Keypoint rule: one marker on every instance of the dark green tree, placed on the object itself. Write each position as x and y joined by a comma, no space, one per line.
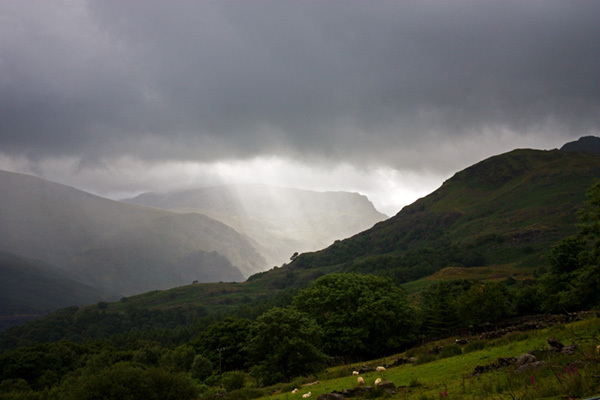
483,303
285,343
361,315
225,343
233,380
573,282
180,358
439,308
201,368
126,381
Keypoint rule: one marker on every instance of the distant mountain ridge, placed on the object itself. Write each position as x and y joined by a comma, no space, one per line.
280,221
118,248
498,218
30,288
589,144
507,210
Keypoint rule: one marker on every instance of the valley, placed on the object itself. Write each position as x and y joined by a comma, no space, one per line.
486,247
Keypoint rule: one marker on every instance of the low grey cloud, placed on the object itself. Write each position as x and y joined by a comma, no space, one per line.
407,85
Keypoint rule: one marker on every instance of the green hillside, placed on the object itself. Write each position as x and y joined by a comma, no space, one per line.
507,210
478,260
31,288
501,216
497,219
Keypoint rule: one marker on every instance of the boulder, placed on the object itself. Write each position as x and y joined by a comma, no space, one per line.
555,343
386,385
526,358
530,367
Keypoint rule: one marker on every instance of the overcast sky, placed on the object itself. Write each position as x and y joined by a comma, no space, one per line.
388,98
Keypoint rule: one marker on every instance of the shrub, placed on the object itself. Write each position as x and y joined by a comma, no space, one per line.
450,351
427,358
474,346
202,368
415,382
234,380
247,394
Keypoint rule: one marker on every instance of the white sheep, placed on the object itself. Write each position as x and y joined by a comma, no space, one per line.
295,391
598,349
360,380
380,369
354,372
306,395
377,381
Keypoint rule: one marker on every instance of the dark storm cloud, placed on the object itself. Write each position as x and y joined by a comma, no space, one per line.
350,80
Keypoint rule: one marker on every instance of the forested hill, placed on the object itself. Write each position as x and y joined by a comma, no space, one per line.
507,210
502,215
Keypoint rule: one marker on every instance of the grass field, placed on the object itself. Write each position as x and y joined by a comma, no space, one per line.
434,377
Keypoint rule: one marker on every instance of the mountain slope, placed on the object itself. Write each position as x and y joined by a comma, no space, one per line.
508,209
589,144
281,221
31,288
119,248
495,219
501,216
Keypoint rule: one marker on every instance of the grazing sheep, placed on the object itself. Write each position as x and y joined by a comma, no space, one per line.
360,380
295,391
380,369
306,395
598,349
354,372
377,381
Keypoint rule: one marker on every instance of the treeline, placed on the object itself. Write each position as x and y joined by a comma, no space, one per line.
341,317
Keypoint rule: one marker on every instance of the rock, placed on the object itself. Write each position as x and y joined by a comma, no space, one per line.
530,367
387,385
570,350
555,343
524,359
505,362
357,390
461,342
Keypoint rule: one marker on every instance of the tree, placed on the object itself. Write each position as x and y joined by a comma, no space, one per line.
233,380
439,308
126,381
361,315
229,335
285,343
573,282
483,303
201,368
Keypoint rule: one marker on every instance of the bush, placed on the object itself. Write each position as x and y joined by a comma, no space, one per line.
427,358
247,394
202,368
450,351
474,346
234,380
516,336
126,381
414,383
